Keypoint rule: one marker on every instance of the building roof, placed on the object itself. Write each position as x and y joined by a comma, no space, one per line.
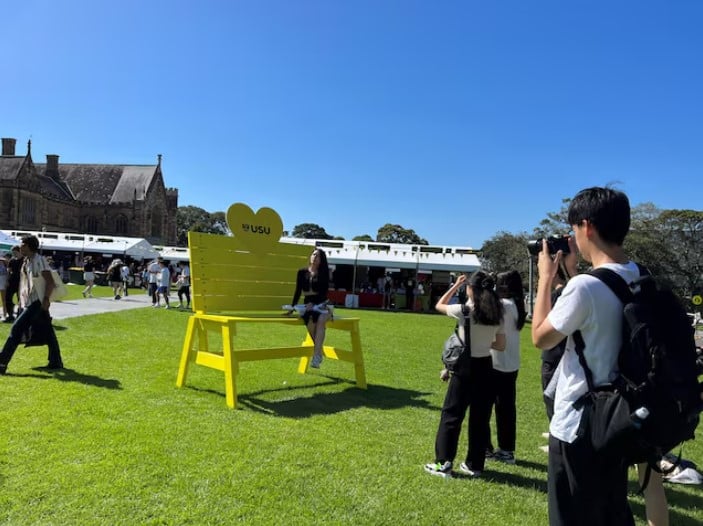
10,166
105,183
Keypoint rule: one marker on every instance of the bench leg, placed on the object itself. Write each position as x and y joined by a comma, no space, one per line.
231,368
188,352
305,360
359,369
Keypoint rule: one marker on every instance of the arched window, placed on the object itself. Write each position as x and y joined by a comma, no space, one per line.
89,224
121,224
156,222
28,211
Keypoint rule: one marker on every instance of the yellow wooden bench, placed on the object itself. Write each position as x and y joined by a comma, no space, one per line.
247,278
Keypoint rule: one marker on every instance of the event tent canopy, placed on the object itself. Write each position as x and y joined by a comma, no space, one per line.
7,242
134,247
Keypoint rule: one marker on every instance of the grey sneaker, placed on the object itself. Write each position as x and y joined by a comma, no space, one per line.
504,456
467,470
440,469
316,361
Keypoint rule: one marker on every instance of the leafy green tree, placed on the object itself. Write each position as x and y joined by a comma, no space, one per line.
195,219
556,223
310,231
365,237
389,233
506,251
682,230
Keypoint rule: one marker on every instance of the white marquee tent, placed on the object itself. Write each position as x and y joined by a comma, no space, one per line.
136,248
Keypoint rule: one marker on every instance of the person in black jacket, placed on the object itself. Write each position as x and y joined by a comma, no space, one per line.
14,267
312,282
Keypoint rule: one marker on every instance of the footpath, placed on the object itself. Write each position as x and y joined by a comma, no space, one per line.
84,307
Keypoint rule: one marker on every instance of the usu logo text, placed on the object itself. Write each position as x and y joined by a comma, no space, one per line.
256,229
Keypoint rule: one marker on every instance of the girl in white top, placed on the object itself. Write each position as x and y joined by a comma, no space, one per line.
469,384
506,364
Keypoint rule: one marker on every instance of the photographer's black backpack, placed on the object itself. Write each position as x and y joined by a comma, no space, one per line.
658,373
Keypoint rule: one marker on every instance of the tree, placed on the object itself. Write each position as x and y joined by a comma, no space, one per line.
682,231
505,251
365,237
555,223
195,219
389,233
310,231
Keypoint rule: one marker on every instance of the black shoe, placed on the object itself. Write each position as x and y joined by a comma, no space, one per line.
8,320
51,367
3,368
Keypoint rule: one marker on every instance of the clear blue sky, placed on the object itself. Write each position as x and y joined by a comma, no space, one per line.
457,119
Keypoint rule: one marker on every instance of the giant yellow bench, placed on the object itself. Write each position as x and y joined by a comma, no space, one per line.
247,278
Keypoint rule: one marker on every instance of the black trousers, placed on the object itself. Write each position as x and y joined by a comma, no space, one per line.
12,289
504,387
22,323
184,290
548,370
472,390
584,488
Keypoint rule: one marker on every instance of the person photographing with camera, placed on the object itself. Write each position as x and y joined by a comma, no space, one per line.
584,488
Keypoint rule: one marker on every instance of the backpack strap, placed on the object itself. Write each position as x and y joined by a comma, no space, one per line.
467,328
615,282
622,291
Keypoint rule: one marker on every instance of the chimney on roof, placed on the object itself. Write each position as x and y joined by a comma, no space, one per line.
52,163
8,146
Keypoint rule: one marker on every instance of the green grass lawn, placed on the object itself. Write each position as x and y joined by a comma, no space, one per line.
111,440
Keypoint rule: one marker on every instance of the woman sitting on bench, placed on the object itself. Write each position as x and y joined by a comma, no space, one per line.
312,282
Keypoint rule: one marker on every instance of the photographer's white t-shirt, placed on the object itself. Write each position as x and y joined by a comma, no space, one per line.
588,305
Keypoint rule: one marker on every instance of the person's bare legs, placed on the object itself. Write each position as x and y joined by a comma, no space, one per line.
318,338
655,503
88,290
317,333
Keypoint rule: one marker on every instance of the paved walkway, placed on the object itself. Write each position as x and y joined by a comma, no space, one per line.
84,307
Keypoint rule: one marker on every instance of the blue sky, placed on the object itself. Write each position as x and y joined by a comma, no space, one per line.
458,119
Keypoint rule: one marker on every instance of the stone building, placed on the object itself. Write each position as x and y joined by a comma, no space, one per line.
108,199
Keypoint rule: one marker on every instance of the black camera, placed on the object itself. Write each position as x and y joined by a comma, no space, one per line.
554,244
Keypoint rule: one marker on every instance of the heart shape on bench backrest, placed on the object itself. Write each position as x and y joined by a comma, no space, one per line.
259,230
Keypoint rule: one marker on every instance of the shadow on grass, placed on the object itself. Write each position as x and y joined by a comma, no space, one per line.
510,479
70,375
375,397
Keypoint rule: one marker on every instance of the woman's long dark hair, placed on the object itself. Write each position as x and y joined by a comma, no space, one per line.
323,269
509,286
488,310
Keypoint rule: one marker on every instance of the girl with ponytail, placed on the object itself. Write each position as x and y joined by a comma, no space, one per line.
469,385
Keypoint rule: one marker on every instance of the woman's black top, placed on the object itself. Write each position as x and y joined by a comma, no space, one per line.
88,266
314,288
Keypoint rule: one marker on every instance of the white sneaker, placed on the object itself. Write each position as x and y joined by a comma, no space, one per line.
466,470
438,469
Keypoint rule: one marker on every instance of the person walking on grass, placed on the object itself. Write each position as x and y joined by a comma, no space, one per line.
114,276
36,285
14,269
184,285
470,383
88,277
153,272
125,272
164,283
